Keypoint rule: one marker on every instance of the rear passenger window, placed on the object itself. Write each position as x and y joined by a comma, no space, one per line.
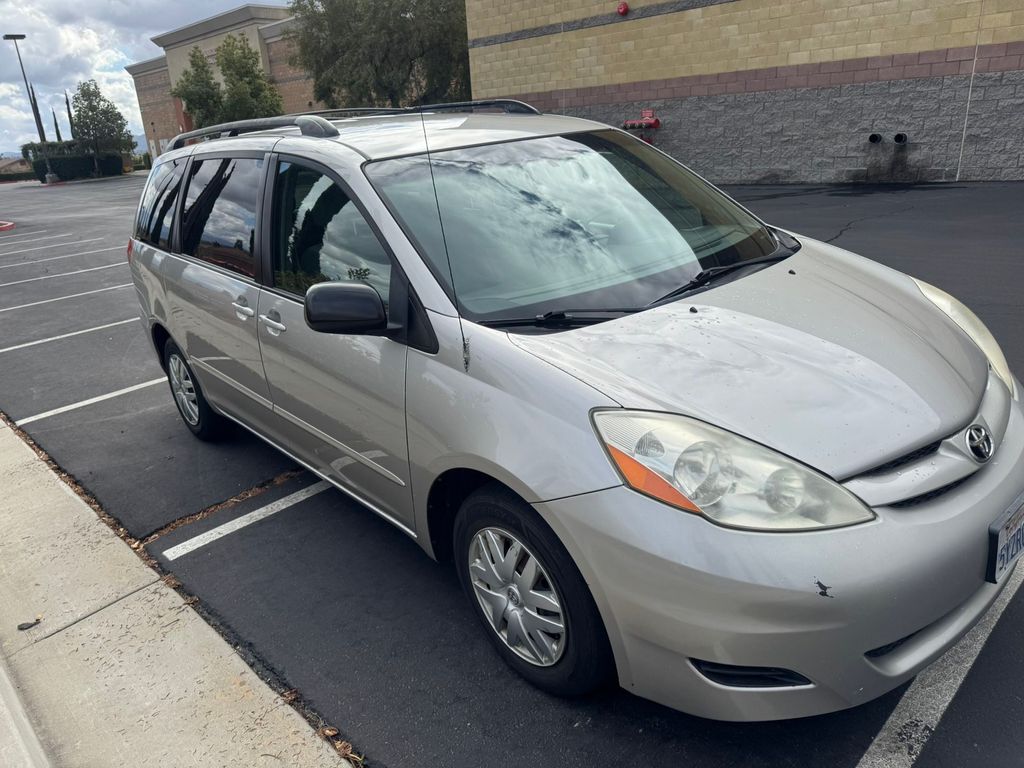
157,208
320,235
218,224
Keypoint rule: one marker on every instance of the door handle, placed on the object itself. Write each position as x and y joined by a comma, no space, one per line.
274,326
242,310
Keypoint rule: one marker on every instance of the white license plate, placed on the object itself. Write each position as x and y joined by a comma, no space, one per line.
1006,542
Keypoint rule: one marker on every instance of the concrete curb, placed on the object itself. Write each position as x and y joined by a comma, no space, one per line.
74,182
19,745
120,669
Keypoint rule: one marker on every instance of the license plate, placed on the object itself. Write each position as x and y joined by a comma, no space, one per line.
1006,541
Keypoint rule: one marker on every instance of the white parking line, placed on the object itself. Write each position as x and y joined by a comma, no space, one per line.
90,401
52,245
49,237
5,237
67,335
61,274
65,256
901,740
61,298
241,522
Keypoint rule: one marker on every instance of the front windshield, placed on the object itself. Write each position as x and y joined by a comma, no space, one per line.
583,221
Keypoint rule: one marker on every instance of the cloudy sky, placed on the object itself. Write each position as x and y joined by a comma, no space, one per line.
73,40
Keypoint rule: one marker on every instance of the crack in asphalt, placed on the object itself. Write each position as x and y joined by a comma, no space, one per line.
849,225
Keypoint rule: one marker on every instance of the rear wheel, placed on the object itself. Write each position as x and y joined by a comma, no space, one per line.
188,396
525,588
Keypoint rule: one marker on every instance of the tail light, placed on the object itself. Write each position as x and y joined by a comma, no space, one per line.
131,244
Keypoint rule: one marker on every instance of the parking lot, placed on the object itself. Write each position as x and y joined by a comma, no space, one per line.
378,639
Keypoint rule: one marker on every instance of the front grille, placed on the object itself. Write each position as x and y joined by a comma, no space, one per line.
749,677
909,458
913,501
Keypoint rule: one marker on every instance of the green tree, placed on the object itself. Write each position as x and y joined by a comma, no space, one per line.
247,92
383,52
201,93
98,122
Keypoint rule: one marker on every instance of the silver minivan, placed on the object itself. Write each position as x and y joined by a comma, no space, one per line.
745,474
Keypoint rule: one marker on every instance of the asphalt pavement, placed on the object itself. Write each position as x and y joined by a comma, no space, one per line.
336,603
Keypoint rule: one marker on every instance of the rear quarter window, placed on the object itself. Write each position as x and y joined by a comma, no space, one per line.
156,211
218,224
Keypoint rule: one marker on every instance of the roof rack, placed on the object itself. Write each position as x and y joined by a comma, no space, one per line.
509,106
308,125
316,124
354,111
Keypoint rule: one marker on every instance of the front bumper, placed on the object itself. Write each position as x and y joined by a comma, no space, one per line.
673,587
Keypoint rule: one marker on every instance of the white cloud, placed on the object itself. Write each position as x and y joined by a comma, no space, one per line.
69,42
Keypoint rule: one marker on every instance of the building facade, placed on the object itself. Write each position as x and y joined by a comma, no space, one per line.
745,90
777,90
264,26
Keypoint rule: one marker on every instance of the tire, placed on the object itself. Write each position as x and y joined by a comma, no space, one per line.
577,662
188,396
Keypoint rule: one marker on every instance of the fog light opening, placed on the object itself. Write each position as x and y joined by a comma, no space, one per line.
749,677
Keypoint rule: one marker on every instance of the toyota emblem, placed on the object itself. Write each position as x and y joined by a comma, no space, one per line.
979,443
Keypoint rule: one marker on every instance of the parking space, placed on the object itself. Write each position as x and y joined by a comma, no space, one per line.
72,315
67,371
383,640
344,607
144,467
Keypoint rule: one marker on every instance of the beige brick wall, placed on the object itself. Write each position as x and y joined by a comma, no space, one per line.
748,34
497,17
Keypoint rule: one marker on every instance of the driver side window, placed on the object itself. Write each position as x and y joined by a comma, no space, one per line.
320,235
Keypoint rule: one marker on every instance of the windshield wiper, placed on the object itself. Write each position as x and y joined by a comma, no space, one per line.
564,317
709,275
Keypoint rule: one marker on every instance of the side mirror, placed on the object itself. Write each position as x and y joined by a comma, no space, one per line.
354,308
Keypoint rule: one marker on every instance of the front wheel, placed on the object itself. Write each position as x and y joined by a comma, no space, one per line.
525,588
195,411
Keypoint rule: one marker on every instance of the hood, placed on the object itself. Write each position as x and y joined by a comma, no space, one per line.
829,358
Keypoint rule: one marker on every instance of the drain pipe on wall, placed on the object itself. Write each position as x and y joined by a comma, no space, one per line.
970,91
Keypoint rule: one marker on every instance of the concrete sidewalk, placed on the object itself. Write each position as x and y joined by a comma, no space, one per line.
119,670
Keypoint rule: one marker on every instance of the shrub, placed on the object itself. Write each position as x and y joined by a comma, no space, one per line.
111,165
18,176
78,166
74,167
35,150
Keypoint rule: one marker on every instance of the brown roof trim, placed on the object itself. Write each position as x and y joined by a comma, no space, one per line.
232,19
149,65
278,29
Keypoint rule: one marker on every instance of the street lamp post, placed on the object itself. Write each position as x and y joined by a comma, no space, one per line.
50,176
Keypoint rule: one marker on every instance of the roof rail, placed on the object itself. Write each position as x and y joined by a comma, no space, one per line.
354,111
316,124
508,105
308,125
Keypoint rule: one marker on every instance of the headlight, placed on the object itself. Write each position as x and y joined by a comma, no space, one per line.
731,481
974,328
